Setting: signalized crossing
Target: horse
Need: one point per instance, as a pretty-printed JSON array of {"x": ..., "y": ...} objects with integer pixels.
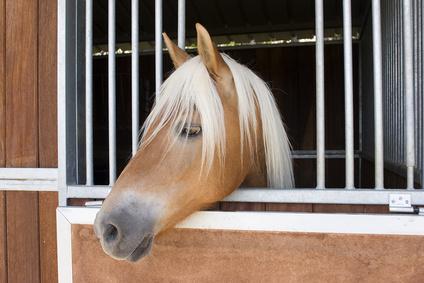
[{"x": 214, "y": 126}]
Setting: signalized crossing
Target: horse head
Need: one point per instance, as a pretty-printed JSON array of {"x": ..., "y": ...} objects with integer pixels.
[{"x": 214, "y": 127}]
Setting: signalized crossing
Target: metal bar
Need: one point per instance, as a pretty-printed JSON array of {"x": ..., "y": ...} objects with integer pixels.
[
  {"x": 61, "y": 99},
  {"x": 80, "y": 97},
  {"x": 392, "y": 109},
  {"x": 29, "y": 173},
  {"x": 397, "y": 127},
  {"x": 327, "y": 156},
  {"x": 29, "y": 185},
  {"x": 66, "y": 102},
  {"x": 97, "y": 192},
  {"x": 298, "y": 195},
  {"x": 409, "y": 91},
  {"x": 419, "y": 170},
  {"x": 320, "y": 104},
  {"x": 421, "y": 88},
  {"x": 158, "y": 45},
  {"x": 328, "y": 223},
  {"x": 181, "y": 23},
  {"x": 112, "y": 92},
  {"x": 134, "y": 76},
  {"x": 327, "y": 152},
  {"x": 348, "y": 78},
  {"x": 89, "y": 91},
  {"x": 327, "y": 196},
  {"x": 306, "y": 154},
  {"x": 360, "y": 106},
  {"x": 378, "y": 96}
]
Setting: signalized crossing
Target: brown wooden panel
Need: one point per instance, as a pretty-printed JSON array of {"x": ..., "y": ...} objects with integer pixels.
[
  {"x": 2, "y": 84},
  {"x": 338, "y": 208},
  {"x": 48, "y": 249},
  {"x": 21, "y": 83},
  {"x": 295, "y": 207},
  {"x": 22, "y": 237},
  {"x": 47, "y": 111},
  {"x": 47, "y": 93},
  {"x": 376, "y": 209},
  {"x": 22, "y": 137},
  {"x": 242, "y": 206},
  {"x": 3, "y": 248},
  {"x": 189, "y": 255}
]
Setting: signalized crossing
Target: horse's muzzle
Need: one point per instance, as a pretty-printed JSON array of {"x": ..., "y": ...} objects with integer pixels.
[{"x": 125, "y": 233}]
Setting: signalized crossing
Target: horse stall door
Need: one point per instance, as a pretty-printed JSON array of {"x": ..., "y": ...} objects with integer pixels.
[{"x": 349, "y": 89}]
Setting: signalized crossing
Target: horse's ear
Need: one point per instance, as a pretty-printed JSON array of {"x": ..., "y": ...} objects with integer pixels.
[
  {"x": 208, "y": 52},
  {"x": 178, "y": 56}
]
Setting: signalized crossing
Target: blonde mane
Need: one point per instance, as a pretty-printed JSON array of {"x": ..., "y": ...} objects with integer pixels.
[{"x": 190, "y": 89}]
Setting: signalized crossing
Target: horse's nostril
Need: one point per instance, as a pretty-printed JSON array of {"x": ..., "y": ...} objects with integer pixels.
[{"x": 111, "y": 233}]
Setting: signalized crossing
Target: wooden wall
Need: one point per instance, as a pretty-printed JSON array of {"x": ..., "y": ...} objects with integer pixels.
[
  {"x": 192, "y": 255},
  {"x": 28, "y": 137}
]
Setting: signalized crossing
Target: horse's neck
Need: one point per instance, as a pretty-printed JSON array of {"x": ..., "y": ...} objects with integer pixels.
[
  {"x": 255, "y": 179},
  {"x": 257, "y": 176}
]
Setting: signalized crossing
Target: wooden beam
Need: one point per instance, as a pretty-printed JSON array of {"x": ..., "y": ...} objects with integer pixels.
[
  {"x": 22, "y": 237},
  {"x": 3, "y": 243},
  {"x": 47, "y": 131},
  {"x": 22, "y": 137},
  {"x": 47, "y": 83},
  {"x": 3, "y": 246},
  {"x": 47, "y": 204}
]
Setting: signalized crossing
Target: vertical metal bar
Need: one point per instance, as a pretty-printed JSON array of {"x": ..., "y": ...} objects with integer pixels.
[
  {"x": 181, "y": 23},
  {"x": 89, "y": 91},
  {"x": 348, "y": 78},
  {"x": 158, "y": 44},
  {"x": 409, "y": 92},
  {"x": 418, "y": 81},
  {"x": 320, "y": 111},
  {"x": 416, "y": 49},
  {"x": 397, "y": 127},
  {"x": 378, "y": 95},
  {"x": 391, "y": 80},
  {"x": 360, "y": 106},
  {"x": 421, "y": 89},
  {"x": 134, "y": 76},
  {"x": 112, "y": 92},
  {"x": 80, "y": 97},
  {"x": 62, "y": 44}
]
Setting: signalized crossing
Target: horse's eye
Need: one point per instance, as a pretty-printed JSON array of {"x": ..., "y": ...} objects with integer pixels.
[{"x": 190, "y": 131}]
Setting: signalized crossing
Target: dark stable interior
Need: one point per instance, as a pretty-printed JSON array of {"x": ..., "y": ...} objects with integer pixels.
[{"x": 289, "y": 70}]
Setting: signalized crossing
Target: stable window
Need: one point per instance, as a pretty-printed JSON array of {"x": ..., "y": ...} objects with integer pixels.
[{"x": 348, "y": 78}]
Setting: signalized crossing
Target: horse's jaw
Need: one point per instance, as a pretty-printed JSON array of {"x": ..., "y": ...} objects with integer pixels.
[{"x": 142, "y": 250}]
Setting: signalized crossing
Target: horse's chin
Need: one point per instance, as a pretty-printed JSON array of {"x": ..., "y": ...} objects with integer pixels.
[{"x": 143, "y": 249}]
